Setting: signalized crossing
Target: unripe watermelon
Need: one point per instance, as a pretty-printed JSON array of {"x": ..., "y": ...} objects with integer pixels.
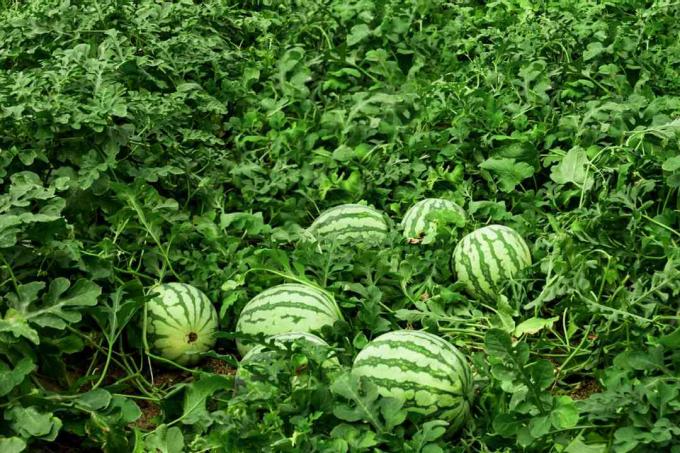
[
  {"x": 428, "y": 373},
  {"x": 286, "y": 308},
  {"x": 486, "y": 257},
  {"x": 181, "y": 323},
  {"x": 350, "y": 223},
  {"x": 418, "y": 219}
]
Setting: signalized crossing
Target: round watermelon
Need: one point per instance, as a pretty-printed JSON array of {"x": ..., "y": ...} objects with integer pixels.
[
  {"x": 350, "y": 223},
  {"x": 291, "y": 307},
  {"x": 488, "y": 256},
  {"x": 181, "y": 323},
  {"x": 418, "y": 219},
  {"x": 428, "y": 373}
]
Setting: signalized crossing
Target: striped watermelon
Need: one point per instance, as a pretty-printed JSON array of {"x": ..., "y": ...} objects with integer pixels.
[
  {"x": 181, "y": 323},
  {"x": 486, "y": 257},
  {"x": 263, "y": 355},
  {"x": 350, "y": 223},
  {"x": 286, "y": 308},
  {"x": 418, "y": 221},
  {"x": 429, "y": 374}
]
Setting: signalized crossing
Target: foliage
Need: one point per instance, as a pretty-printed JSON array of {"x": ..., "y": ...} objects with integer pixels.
[{"x": 146, "y": 142}]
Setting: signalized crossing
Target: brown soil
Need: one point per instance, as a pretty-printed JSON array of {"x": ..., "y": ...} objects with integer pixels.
[
  {"x": 164, "y": 379},
  {"x": 584, "y": 389},
  {"x": 150, "y": 411},
  {"x": 219, "y": 367}
]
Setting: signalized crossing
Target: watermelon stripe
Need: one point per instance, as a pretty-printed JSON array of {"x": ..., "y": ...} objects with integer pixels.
[
  {"x": 185, "y": 298},
  {"x": 290, "y": 307},
  {"x": 416, "y": 384},
  {"x": 499, "y": 266},
  {"x": 285, "y": 310},
  {"x": 359, "y": 232},
  {"x": 425, "y": 350},
  {"x": 427, "y": 372},
  {"x": 416, "y": 220},
  {"x": 210, "y": 319},
  {"x": 483, "y": 269},
  {"x": 445, "y": 382},
  {"x": 177, "y": 311},
  {"x": 348, "y": 209},
  {"x": 164, "y": 311},
  {"x": 156, "y": 320},
  {"x": 487, "y": 256},
  {"x": 469, "y": 277},
  {"x": 350, "y": 222},
  {"x": 509, "y": 244},
  {"x": 291, "y": 293}
]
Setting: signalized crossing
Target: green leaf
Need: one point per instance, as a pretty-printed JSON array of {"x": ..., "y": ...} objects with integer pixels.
[
  {"x": 29, "y": 422},
  {"x": 499, "y": 344},
  {"x": 129, "y": 411},
  {"x": 542, "y": 373},
  {"x": 572, "y": 169},
  {"x": 12, "y": 445},
  {"x": 565, "y": 415},
  {"x": 534, "y": 325},
  {"x": 196, "y": 396},
  {"x": 357, "y": 34},
  {"x": 539, "y": 426},
  {"x": 94, "y": 400},
  {"x": 578, "y": 446},
  {"x": 672, "y": 340},
  {"x": 593, "y": 50},
  {"x": 637, "y": 360},
  {"x": 506, "y": 424},
  {"x": 59, "y": 306},
  {"x": 11, "y": 377},
  {"x": 392, "y": 412},
  {"x": 362, "y": 394},
  {"x": 19, "y": 328},
  {"x": 165, "y": 440},
  {"x": 356, "y": 437},
  {"x": 509, "y": 172},
  {"x": 671, "y": 164}
]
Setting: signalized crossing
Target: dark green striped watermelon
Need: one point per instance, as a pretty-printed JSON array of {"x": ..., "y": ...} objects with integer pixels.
[
  {"x": 181, "y": 323},
  {"x": 350, "y": 223},
  {"x": 488, "y": 256},
  {"x": 428, "y": 373},
  {"x": 291, "y": 307},
  {"x": 418, "y": 219}
]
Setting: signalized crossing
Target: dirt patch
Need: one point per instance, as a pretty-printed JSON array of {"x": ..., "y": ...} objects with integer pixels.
[
  {"x": 584, "y": 389},
  {"x": 168, "y": 378},
  {"x": 150, "y": 413},
  {"x": 219, "y": 367}
]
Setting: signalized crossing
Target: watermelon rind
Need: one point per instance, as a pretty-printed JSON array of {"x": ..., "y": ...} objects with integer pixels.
[
  {"x": 286, "y": 308},
  {"x": 350, "y": 224},
  {"x": 486, "y": 257},
  {"x": 417, "y": 220},
  {"x": 430, "y": 375},
  {"x": 181, "y": 323}
]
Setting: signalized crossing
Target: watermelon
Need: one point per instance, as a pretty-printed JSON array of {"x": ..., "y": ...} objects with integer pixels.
[
  {"x": 488, "y": 256},
  {"x": 428, "y": 373},
  {"x": 418, "y": 219},
  {"x": 181, "y": 323},
  {"x": 291, "y": 307},
  {"x": 350, "y": 223}
]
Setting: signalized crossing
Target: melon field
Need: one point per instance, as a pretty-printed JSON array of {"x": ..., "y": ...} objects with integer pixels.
[{"x": 340, "y": 226}]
